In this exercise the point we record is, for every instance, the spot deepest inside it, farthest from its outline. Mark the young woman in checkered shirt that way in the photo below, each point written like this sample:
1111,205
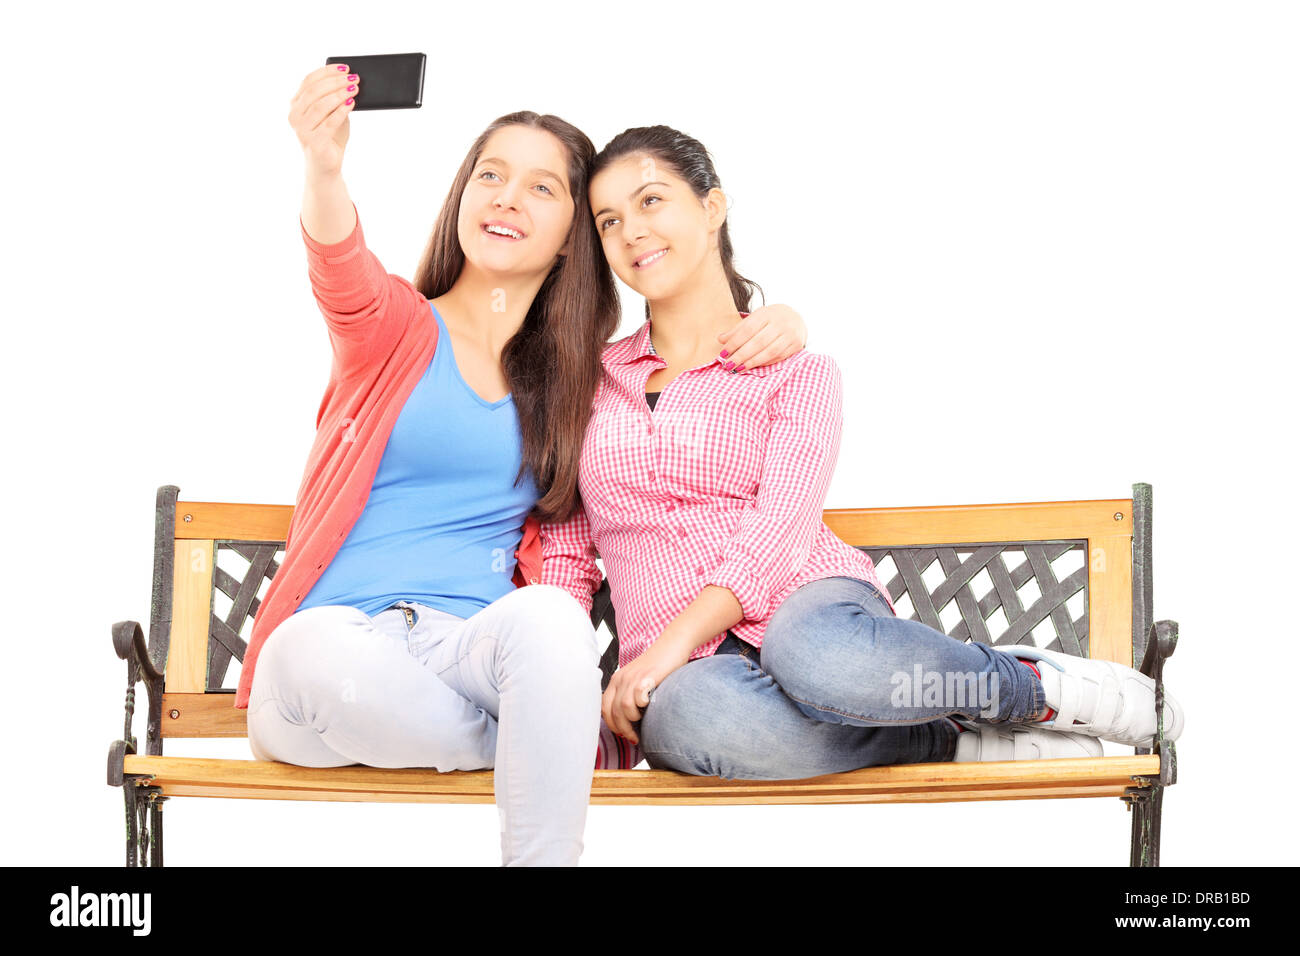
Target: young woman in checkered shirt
753,643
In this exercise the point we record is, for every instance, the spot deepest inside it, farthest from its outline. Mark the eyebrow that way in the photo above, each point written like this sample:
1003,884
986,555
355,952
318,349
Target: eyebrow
597,215
533,172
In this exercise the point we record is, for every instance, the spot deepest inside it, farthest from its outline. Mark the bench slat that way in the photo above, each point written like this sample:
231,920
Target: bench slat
953,524
1110,597
202,715
187,656
788,798
861,527
231,520
940,782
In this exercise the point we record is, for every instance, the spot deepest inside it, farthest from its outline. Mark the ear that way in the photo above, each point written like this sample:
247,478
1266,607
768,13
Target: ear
715,208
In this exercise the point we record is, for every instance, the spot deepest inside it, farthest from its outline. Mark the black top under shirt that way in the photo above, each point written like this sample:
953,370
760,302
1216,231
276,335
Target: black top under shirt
651,398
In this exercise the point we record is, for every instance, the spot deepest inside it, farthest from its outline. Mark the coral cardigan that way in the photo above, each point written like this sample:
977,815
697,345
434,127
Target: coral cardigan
383,335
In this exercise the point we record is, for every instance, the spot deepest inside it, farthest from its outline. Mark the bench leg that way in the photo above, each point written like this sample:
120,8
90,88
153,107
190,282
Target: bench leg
128,795
156,828
1145,804
144,846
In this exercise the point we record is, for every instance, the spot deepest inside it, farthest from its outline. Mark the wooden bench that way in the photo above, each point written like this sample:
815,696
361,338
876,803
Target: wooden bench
1075,574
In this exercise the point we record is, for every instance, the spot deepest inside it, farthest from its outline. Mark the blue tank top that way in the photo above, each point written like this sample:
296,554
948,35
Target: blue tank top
444,517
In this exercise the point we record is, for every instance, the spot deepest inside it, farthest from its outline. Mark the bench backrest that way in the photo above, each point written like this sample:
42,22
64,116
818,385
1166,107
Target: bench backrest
1070,575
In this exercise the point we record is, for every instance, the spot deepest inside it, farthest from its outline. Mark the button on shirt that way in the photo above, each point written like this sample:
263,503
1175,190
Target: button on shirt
721,483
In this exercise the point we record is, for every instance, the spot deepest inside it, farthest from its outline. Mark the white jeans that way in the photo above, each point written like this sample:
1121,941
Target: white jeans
515,687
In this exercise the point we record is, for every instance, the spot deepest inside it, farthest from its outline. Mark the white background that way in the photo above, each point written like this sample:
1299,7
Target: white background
1052,246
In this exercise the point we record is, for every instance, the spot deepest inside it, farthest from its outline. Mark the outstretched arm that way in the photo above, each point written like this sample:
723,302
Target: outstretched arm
365,309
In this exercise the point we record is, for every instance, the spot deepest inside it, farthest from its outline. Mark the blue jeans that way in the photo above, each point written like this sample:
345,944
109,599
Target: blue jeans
516,687
840,683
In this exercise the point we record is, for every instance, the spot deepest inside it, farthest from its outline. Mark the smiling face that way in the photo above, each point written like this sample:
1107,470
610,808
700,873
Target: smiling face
517,208
658,236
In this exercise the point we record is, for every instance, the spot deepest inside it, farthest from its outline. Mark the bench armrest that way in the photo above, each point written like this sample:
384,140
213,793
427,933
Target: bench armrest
129,644
1161,643
128,637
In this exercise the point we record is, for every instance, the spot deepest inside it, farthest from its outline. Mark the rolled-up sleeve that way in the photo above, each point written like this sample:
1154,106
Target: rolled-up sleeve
569,558
776,533
366,309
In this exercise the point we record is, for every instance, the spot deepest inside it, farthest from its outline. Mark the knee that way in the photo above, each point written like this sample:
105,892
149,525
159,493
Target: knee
550,603
807,647
550,630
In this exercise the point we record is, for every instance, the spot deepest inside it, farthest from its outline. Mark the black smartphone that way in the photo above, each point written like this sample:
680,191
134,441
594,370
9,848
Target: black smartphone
389,81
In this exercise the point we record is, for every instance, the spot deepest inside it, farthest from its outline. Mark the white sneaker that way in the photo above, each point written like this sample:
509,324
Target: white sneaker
1100,698
1020,742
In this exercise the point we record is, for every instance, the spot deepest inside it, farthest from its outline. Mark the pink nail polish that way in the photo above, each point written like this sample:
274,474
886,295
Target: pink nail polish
727,367
740,368
722,354
348,101
343,67
352,89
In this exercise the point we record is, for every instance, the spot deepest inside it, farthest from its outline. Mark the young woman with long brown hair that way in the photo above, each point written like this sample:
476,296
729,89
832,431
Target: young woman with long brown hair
399,631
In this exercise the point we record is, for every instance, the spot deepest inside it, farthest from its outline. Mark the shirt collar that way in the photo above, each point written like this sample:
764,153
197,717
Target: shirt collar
638,346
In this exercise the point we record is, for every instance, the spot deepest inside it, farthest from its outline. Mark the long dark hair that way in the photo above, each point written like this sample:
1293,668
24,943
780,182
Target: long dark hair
687,158
552,363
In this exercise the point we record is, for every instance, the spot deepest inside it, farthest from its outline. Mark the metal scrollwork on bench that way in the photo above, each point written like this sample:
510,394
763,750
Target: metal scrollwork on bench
1009,569
225,640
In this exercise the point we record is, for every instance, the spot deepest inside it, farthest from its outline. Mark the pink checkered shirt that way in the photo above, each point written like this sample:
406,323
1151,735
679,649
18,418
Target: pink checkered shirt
722,483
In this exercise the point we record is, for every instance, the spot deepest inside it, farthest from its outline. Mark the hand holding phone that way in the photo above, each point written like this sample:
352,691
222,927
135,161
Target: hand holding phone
318,114
393,81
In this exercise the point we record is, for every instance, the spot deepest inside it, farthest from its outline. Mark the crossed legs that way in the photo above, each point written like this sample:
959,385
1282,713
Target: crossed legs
834,688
